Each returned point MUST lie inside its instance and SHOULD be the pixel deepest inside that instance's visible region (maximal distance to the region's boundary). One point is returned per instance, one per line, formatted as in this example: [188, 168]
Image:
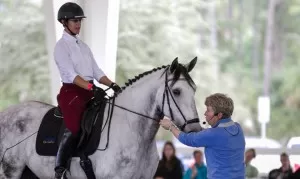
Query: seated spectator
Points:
[251, 171]
[169, 166]
[285, 171]
[285, 168]
[198, 170]
[274, 174]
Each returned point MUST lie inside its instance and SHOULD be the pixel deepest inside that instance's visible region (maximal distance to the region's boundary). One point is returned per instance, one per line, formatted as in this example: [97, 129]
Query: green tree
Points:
[24, 68]
[229, 38]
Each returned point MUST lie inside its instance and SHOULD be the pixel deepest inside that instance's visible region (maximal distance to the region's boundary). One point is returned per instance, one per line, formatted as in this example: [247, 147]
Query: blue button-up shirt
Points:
[224, 149]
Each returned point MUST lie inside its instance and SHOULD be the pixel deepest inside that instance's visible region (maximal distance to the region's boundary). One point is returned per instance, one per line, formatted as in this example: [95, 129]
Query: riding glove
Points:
[115, 87]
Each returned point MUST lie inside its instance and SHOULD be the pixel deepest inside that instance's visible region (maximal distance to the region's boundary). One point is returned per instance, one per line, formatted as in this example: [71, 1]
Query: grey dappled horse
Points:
[132, 151]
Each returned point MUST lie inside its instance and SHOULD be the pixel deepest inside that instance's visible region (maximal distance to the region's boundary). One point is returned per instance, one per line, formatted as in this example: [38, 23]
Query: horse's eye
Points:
[176, 92]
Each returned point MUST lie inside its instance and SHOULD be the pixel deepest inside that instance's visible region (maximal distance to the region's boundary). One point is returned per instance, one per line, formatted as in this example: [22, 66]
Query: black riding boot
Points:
[64, 153]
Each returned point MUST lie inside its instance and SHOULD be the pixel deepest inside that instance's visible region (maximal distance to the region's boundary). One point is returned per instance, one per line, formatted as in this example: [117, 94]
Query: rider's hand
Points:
[94, 87]
[98, 92]
[115, 87]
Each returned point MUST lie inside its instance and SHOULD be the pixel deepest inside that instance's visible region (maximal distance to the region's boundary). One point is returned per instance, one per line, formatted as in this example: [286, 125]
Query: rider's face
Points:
[74, 25]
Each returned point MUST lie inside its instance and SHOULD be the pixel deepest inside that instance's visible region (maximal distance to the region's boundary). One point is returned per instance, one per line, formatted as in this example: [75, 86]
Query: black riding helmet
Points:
[70, 10]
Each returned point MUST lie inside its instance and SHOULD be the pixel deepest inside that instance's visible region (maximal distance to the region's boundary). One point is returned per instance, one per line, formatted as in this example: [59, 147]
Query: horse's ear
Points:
[191, 65]
[174, 65]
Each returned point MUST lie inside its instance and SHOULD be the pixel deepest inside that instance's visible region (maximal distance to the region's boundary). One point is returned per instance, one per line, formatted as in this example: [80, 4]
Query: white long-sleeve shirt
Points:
[73, 57]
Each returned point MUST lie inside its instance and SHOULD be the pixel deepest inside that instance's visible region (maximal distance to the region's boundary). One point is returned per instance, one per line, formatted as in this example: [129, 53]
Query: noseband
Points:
[166, 96]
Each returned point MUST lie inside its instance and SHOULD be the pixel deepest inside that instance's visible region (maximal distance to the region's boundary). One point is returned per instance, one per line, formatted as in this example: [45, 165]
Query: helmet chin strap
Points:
[66, 25]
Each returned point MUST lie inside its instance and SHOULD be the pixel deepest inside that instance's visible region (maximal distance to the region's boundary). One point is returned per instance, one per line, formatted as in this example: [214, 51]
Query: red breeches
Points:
[72, 101]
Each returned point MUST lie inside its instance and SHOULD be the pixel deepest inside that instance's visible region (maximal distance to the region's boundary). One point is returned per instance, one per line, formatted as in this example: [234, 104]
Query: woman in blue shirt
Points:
[224, 142]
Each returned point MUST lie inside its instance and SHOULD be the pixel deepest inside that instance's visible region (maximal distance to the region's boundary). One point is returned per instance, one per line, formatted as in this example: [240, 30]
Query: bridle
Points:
[166, 96]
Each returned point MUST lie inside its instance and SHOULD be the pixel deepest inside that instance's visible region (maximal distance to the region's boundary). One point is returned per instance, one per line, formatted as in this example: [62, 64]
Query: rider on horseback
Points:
[77, 68]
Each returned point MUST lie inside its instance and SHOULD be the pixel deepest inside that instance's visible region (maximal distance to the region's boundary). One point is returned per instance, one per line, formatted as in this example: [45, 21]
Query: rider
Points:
[77, 68]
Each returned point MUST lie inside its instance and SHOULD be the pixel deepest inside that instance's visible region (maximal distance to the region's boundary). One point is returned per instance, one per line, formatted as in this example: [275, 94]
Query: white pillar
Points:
[263, 130]
[100, 32]
[52, 35]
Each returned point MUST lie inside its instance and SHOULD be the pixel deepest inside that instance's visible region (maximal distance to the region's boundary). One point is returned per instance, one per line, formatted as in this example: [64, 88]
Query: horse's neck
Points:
[140, 97]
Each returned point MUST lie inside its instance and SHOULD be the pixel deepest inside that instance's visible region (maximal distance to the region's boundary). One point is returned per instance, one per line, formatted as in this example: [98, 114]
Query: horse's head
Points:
[176, 96]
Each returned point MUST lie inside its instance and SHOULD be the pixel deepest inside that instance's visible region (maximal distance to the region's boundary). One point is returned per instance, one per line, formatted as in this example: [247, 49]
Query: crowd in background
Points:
[285, 171]
[170, 166]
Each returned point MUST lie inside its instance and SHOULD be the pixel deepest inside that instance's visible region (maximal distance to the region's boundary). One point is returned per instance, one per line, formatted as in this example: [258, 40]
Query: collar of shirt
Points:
[71, 38]
[222, 121]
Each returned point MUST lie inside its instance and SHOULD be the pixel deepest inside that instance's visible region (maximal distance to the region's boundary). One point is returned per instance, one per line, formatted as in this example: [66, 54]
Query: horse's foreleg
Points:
[151, 163]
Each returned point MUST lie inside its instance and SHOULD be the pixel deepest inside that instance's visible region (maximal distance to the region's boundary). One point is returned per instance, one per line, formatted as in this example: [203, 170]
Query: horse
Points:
[132, 152]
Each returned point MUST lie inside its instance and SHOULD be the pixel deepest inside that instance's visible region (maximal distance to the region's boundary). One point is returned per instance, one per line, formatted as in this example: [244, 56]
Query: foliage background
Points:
[236, 52]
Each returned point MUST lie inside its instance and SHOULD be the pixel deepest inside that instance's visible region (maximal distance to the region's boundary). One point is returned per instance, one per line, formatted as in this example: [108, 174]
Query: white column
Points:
[52, 35]
[100, 32]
